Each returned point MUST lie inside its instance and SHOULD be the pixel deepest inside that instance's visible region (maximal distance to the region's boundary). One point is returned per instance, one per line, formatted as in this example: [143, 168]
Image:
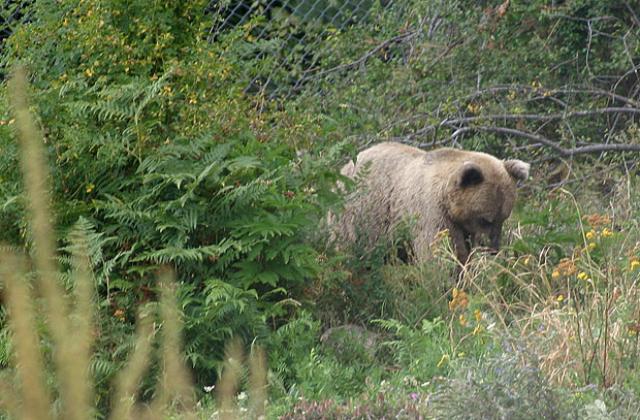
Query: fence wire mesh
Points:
[331, 13]
[442, 72]
[289, 35]
[436, 72]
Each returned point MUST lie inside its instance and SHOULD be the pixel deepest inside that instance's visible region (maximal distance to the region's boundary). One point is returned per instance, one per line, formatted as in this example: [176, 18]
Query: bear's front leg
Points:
[460, 244]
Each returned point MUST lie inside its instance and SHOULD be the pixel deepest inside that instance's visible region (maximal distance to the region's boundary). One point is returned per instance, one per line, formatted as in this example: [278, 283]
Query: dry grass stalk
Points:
[33, 164]
[128, 379]
[257, 383]
[230, 380]
[72, 332]
[36, 401]
[79, 348]
[175, 381]
[9, 399]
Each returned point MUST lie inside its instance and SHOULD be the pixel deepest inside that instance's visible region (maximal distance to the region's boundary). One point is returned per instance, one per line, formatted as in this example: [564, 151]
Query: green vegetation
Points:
[218, 156]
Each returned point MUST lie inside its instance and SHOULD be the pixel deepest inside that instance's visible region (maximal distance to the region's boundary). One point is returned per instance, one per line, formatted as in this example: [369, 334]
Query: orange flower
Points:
[119, 313]
[459, 300]
[566, 267]
[596, 220]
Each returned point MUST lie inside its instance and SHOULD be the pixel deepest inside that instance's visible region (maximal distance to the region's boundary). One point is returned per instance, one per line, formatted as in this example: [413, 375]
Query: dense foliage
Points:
[174, 141]
[153, 146]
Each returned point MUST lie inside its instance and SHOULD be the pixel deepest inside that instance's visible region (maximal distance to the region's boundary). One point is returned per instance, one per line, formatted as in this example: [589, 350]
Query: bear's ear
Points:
[470, 175]
[517, 169]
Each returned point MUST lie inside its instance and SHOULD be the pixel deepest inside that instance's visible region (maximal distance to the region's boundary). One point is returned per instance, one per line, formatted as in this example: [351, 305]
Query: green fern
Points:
[158, 158]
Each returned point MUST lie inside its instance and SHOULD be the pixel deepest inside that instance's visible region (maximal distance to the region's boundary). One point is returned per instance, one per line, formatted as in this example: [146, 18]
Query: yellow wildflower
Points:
[474, 108]
[477, 315]
[606, 232]
[634, 264]
[444, 233]
[583, 276]
[592, 246]
[634, 328]
[560, 298]
[462, 320]
[591, 234]
[555, 274]
[444, 359]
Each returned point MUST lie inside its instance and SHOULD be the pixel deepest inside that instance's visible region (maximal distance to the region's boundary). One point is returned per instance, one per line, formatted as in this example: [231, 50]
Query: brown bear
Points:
[469, 193]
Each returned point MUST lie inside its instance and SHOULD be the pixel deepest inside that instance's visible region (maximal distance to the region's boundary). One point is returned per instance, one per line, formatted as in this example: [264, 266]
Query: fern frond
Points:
[174, 254]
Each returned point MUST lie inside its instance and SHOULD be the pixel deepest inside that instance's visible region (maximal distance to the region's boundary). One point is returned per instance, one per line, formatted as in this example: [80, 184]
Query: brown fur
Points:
[469, 193]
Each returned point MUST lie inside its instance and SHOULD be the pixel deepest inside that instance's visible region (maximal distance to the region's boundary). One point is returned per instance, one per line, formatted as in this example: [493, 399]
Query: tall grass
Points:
[68, 318]
[579, 313]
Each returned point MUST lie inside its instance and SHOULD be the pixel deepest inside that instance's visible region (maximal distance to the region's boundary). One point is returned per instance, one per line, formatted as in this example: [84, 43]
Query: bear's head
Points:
[480, 195]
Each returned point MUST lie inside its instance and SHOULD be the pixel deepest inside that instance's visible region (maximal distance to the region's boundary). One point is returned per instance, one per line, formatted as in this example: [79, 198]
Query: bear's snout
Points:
[494, 239]
[489, 241]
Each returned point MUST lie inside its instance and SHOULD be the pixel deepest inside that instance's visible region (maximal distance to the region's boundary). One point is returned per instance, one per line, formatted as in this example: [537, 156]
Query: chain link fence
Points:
[333, 14]
[287, 35]
[438, 72]
[11, 13]
[452, 73]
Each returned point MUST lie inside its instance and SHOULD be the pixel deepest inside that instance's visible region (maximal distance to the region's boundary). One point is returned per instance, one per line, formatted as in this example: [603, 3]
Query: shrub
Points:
[152, 144]
[507, 386]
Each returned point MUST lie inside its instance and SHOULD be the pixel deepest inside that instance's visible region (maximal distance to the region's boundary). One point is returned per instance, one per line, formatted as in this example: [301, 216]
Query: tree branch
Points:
[563, 91]
[534, 138]
[540, 117]
[309, 74]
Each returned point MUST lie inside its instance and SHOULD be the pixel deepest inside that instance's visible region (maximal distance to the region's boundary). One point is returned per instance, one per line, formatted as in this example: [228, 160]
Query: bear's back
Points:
[401, 160]
[445, 155]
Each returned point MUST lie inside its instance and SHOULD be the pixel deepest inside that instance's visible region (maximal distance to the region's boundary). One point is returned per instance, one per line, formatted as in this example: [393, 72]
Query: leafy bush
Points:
[306, 368]
[52, 332]
[509, 386]
[153, 145]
